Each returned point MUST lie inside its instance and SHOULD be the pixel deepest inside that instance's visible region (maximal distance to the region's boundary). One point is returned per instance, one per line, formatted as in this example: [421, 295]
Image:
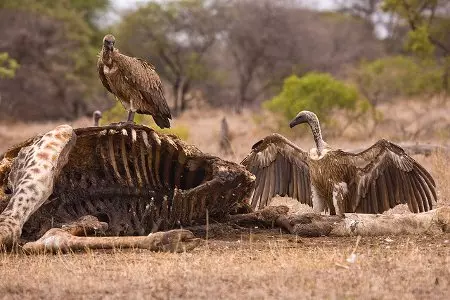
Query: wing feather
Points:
[101, 74]
[391, 197]
[422, 193]
[388, 177]
[142, 76]
[259, 187]
[281, 168]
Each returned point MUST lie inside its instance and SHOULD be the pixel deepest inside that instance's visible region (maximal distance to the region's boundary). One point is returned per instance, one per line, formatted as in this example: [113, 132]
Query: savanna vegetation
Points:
[369, 68]
[216, 52]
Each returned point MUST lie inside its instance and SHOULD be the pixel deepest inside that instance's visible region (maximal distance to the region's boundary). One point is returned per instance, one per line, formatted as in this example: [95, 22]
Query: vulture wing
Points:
[102, 75]
[280, 168]
[387, 176]
[142, 76]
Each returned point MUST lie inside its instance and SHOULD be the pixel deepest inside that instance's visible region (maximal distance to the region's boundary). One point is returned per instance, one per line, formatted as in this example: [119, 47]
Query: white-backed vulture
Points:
[371, 181]
[134, 82]
[96, 116]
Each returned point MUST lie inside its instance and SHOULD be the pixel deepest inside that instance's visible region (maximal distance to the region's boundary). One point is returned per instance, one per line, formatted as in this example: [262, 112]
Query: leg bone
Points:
[55, 240]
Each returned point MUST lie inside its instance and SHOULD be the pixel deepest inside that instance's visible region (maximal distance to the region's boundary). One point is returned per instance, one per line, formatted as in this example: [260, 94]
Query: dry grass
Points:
[264, 264]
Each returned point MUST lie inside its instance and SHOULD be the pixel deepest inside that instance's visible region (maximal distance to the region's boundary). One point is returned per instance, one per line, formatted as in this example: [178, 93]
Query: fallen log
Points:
[435, 221]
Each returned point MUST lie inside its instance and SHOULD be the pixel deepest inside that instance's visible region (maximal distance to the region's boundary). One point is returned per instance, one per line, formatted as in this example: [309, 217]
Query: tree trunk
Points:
[184, 90]
[179, 93]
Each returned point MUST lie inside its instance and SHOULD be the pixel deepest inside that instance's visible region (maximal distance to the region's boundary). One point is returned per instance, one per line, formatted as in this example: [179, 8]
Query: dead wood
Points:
[432, 222]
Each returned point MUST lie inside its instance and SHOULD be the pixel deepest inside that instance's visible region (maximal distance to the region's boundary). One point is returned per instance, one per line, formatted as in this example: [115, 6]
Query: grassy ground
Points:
[249, 266]
[244, 265]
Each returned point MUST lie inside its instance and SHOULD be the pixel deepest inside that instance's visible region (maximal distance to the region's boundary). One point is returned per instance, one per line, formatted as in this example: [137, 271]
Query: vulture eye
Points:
[257, 144]
[8, 191]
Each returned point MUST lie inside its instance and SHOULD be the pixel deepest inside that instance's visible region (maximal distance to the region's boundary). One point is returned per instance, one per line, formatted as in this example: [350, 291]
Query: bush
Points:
[8, 66]
[382, 79]
[317, 92]
[118, 114]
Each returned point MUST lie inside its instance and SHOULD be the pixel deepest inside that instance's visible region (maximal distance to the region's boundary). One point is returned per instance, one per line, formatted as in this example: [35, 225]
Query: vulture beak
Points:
[110, 46]
[297, 120]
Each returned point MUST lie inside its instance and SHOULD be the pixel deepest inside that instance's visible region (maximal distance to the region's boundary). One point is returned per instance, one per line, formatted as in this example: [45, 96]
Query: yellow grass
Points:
[261, 266]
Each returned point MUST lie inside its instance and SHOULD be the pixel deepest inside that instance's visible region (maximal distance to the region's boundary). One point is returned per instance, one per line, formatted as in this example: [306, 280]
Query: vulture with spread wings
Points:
[371, 181]
[134, 82]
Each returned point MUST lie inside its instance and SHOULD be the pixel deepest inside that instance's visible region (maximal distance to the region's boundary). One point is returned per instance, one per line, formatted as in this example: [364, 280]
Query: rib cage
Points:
[139, 182]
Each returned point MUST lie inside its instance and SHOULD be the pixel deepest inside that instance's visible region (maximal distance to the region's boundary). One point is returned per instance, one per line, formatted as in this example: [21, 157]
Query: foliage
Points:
[76, 16]
[8, 66]
[56, 42]
[429, 25]
[382, 79]
[317, 92]
[117, 114]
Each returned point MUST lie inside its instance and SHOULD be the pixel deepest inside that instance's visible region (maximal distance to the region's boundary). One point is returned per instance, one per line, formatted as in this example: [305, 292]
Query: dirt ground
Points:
[243, 264]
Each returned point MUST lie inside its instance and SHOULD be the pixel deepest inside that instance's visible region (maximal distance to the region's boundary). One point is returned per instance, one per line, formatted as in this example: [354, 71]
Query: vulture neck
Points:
[317, 134]
[107, 56]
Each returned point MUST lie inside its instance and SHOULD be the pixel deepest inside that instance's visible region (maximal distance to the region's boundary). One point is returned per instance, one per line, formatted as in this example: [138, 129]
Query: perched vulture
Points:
[371, 181]
[134, 82]
[96, 116]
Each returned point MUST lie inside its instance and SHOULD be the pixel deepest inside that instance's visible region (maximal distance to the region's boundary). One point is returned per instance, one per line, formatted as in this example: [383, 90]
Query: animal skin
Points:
[132, 180]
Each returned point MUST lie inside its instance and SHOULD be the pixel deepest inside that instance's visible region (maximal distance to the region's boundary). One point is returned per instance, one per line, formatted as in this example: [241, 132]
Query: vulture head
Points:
[309, 117]
[97, 115]
[304, 116]
[108, 42]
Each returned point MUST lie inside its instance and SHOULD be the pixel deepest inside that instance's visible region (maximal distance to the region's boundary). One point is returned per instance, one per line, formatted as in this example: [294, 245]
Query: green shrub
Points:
[317, 92]
[383, 79]
[8, 66]
[117, 114]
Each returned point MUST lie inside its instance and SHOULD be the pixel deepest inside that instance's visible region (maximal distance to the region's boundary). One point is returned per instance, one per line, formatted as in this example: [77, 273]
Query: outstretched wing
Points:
[387, 176]
[142, 76]
[280, 168]
[101, 74]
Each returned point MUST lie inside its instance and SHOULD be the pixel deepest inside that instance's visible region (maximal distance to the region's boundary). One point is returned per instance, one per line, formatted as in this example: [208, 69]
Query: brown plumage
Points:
[134, 82]
[371, 181]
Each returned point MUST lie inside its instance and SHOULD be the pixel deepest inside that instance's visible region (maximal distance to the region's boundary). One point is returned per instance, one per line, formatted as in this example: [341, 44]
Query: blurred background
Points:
[235, 70]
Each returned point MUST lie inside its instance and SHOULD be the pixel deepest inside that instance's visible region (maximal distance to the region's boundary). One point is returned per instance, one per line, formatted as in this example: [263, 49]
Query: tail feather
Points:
[162, 122]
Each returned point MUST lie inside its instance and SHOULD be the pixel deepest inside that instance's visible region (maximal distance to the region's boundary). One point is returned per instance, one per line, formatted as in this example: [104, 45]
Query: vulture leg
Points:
[130, 116]
[339, 193]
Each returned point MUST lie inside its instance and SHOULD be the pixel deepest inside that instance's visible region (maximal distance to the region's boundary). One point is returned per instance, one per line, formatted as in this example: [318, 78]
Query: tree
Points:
[278, 38]
[429, 23]
[174, 36]
[318, 92]
[53, 41]
[258, 38]
[387, 78]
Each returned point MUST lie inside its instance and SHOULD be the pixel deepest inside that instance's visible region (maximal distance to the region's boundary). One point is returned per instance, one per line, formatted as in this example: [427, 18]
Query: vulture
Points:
[335, 181]
[96, 116]
[134, 82]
